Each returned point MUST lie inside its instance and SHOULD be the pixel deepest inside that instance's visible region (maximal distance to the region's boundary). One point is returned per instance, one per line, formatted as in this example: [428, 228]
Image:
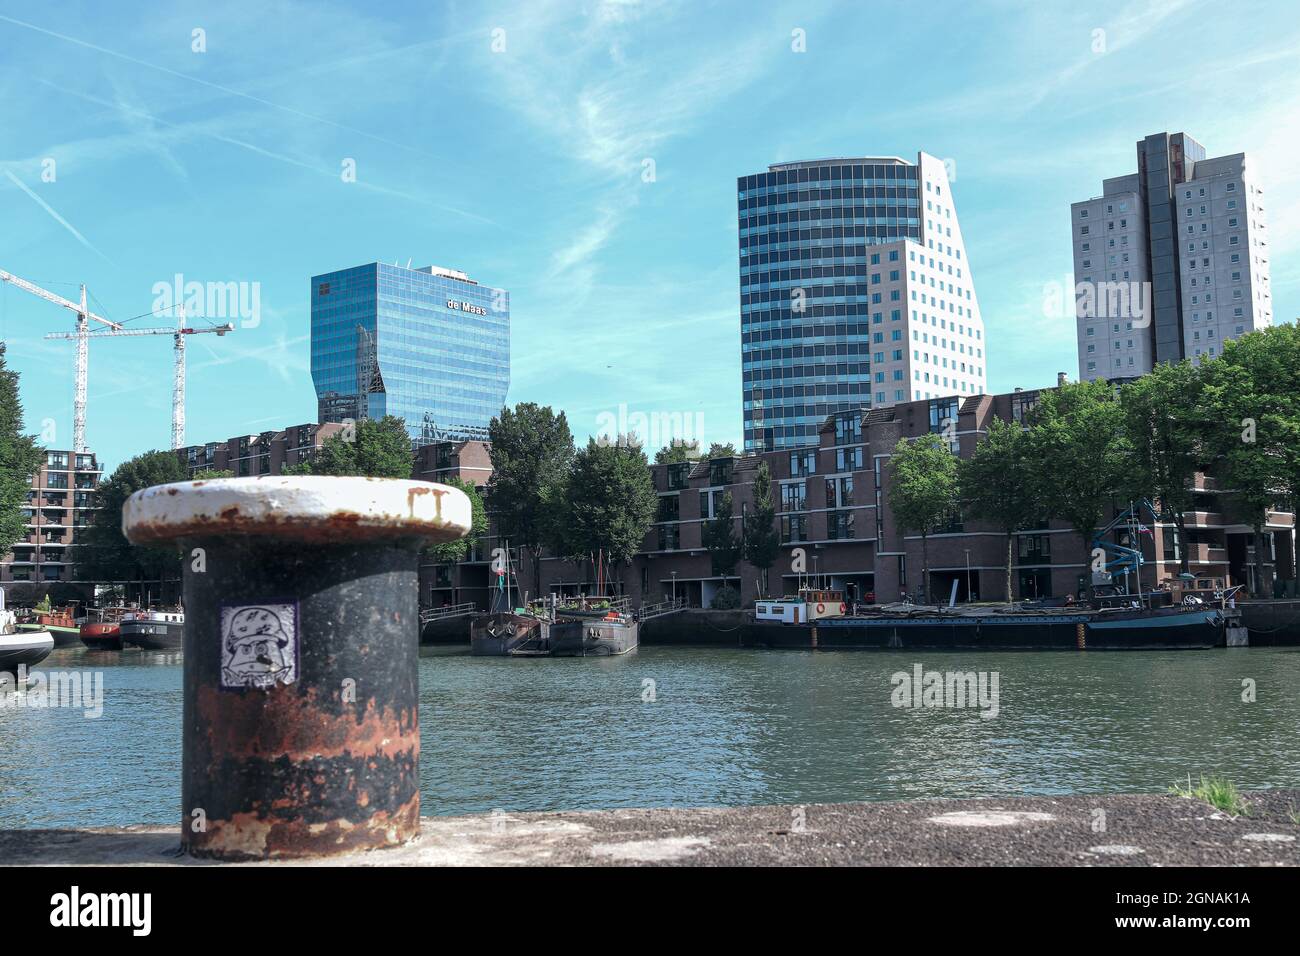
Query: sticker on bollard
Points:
[301, 731]
[261, 645]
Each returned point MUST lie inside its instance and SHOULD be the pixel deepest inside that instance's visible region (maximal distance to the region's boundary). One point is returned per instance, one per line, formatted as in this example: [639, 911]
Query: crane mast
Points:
[178, 374]
[178, 391]
[84, 315]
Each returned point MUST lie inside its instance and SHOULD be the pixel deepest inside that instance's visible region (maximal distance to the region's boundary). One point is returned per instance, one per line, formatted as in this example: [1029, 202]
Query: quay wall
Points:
[695, 625]
[1272, 623]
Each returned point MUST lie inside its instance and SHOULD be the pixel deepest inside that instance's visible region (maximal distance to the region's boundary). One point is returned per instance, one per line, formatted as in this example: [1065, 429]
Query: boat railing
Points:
[621, 605]
[443, 613]
[649, 611]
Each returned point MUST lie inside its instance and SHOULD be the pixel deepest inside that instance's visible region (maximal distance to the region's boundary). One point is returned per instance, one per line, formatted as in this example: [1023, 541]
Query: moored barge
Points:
[795, 622]
[60, 624]
[153, 630]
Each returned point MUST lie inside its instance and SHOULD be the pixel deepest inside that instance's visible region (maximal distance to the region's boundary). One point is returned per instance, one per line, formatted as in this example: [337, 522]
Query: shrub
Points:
[727, 599]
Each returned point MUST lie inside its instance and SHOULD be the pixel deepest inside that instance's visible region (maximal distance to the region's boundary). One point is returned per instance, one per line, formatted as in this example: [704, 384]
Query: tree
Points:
[449, 552]
[608, 504]
[1165, 438]
[678, 450]
[376, 449]
[998, 484]
[718, 536]
[532, 455]
[721, 450]
[1252, 400]
[102, 552]
[20, 458]
[762, 539]
[726, 598]
[1080, 457]
[923, 494]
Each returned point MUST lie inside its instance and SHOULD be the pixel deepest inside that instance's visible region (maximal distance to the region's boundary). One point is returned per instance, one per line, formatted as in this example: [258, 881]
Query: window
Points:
[839, 525]
[848, 425]
[1035, 549]
[677, 475]
[839, 492]
[794, 497]
[943, 415]
[792, 528]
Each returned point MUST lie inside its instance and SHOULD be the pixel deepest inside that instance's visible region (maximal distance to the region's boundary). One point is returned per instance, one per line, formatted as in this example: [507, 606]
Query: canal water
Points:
[711, 727]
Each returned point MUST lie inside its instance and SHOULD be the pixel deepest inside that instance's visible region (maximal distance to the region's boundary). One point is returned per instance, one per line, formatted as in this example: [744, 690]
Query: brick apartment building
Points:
[266, 453]
[468, 580]
[833, 503]
[59, 504]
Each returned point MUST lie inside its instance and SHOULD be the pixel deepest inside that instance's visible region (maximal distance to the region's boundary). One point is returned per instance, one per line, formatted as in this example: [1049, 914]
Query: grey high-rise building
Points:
[855, 291]
[1169, 261]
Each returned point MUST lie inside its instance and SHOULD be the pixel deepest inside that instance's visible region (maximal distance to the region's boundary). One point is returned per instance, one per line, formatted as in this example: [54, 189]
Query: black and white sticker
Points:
[259, 645]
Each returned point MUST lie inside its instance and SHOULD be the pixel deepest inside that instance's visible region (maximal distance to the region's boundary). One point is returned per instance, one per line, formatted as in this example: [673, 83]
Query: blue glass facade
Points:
[428, 345]
[807, 236]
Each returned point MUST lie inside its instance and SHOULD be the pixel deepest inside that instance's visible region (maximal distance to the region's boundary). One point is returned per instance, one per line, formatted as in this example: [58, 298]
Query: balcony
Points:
[1205, 553]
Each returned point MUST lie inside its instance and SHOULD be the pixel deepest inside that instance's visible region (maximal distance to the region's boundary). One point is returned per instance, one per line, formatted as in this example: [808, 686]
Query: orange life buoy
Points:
[821, 608]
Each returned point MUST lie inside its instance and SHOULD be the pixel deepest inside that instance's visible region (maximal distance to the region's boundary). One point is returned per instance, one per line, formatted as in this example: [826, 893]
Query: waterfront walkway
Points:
[1068, 831]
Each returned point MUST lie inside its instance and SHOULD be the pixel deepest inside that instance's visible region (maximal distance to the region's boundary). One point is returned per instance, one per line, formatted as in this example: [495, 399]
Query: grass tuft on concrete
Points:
[1218, 791]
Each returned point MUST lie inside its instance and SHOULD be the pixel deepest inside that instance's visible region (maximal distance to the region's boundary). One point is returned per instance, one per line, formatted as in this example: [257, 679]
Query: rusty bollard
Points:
[301, 717]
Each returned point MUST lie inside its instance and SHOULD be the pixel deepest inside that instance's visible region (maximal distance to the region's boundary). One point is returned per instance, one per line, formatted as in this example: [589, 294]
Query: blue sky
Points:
[524, 166]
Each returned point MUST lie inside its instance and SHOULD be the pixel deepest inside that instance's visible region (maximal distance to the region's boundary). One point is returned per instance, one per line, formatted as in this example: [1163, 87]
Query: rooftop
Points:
[841, 161]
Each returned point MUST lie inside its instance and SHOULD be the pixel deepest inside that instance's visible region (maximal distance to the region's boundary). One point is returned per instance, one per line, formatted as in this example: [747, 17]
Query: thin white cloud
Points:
[55, 216]
[225, 90]
[211, 130]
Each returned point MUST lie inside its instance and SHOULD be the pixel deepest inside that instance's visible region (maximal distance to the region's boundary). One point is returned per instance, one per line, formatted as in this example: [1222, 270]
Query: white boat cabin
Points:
[810, 605]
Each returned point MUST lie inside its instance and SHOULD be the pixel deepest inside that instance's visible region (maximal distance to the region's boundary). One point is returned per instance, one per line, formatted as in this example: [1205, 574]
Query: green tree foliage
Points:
[678, 450]
[532, 455]
[923, 495]
[102, 552]
[762, 540]
[1252, 404]
[1082, 457]
[718, 535]
[451, 551]
[726, 598]
[721, 450]
[608, 504]
[1164, 432]
[20, 458]
[376, 449]
[998, 483]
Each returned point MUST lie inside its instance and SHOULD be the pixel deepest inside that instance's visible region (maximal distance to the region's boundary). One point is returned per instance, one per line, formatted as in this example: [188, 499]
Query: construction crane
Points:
[84, 316]
[178, 378]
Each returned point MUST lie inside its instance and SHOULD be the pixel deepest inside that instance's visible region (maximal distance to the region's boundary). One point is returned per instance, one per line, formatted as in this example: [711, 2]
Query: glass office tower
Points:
[804, 298]
[429, 345]
[855, 291]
